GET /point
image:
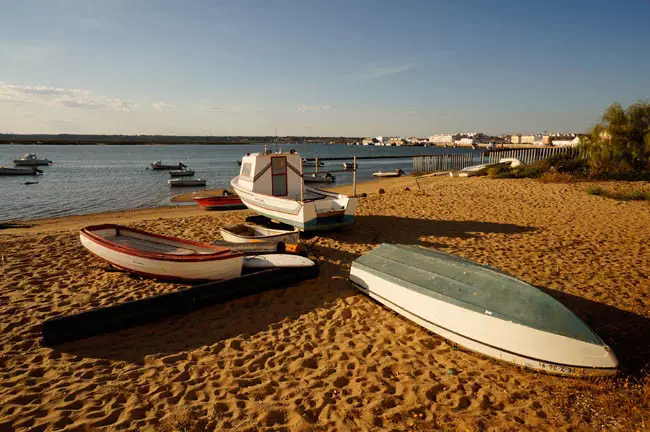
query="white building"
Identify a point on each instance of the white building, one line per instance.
(442, 139)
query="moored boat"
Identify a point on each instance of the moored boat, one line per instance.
(398, 172)
(272, 185)
(19, 171)
(181, 173)
(160, 257)
(220, 202)
(350, 165)
(158, 165)
(482, 309)
(311, 163)
(253, 233)
(323, 177)
(30, 159)
(185, 182)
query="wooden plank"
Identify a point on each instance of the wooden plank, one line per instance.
(113, 318)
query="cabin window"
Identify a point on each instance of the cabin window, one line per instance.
(246, 169)
(279, 175)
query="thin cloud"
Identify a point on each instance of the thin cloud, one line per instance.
(60, 97)
(374, 71)
(304, 108)
(162, 106)
(230, 108)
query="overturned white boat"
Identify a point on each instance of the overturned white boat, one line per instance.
(272, 185)
(482, 309)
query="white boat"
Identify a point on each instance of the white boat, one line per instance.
(482, 309)
(20, 171)
(311, 163)
(350, 165)
(181, 173)
(271, 184)
(253, 233)
(319, 177)
(395, 173)
(30, 159)
(276, 260)
(186, 182)
(160, 257)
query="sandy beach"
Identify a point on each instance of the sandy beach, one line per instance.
(320, 355)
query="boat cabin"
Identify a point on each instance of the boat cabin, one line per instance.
(275, 174)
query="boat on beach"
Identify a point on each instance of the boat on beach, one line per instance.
(323, 177)
(158, 165)
(253, 233)
(160, 257)
(181, 173)
(185, 182)
(272, 185)
(482, 309)
(19, 171)
(398, 172)
(220, 202)
(30, 159)
(268, 261)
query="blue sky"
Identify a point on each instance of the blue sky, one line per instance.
(355, 68)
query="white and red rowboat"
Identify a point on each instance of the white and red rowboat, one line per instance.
(161, 257)
(220, 202)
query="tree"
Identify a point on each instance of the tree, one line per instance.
(620, 143)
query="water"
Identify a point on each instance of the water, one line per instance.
(97, 178)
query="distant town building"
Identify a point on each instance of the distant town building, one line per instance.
(443, 138)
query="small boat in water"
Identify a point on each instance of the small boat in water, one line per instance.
(323, 177)
(395, 173)
(227, 201)
(311, 163)
(185, 182)
(181, 173)
(272, 185)
(30, 159)
(158, 165)
(482, 309)
(253, 233)
(160, 257)
(20, 171)
(350, 165)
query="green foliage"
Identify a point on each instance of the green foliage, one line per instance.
(619, 145)
(626, 195)
(596, 190)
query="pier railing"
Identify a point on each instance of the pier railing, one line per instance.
(449, 162)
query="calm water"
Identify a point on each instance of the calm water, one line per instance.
(91, 179)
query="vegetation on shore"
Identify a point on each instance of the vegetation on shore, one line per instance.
(618, 148)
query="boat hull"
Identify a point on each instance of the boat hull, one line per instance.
(226, 202)
(38, 162)
(484, 331)
(18, 171)
(185, 183)
(328, 214)
(183, 268)
(262, 235)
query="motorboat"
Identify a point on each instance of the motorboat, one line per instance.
(227, 201)
(159, 256)
(482, 309)
(311, 163)
(350, 165)
(398, 172)
(181, 173)
(319, 177)
(158, 165)
(30, 159)
(19, 171)
(186, 182)
(253, 233)
(272, 185)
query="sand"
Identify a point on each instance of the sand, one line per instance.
(320, 355)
